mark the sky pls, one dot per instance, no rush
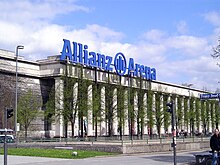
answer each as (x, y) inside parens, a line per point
(176, 37)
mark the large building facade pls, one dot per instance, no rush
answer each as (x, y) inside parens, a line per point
(93, 101)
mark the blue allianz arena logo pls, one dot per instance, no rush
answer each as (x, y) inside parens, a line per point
(120, 64)
(80, 54)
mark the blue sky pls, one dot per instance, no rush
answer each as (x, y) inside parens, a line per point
(174, 36)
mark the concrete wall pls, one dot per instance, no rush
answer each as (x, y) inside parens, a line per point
(117, 148)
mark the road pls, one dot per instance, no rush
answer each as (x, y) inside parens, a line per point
(183, 158)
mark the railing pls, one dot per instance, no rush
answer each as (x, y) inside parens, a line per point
(112, 140)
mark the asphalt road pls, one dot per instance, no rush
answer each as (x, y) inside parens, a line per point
(183, 158)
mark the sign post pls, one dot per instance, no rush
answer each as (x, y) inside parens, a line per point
(171, 110)
(5, 140)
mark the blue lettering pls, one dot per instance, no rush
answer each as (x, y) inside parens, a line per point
(131, 66)
(92, 60)
(66, 52)
(136, 69)
(80, 53)
(142, 71)
(153, 74)
(147, 73)
(108, 65)
(74, 51)
(101, 61)
(85, 54)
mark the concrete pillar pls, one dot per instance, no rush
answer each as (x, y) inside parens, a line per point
(145, 114)
(103, 130)
(75, 99)
(135, 113)
(154, 129)
(59, 124)
(162, 130)
(115, 118)
(170, 126)
(126, 123)
(90, 131)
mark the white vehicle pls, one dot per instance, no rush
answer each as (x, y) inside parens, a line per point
(10, 137)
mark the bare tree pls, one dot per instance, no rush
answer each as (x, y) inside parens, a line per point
(216, 50)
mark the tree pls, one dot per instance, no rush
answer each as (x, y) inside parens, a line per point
(198, 113)
(141, 112)
(203, 116)
(167, 116)
(150, 122)
(192, 114)
(49, 113)
(186, 112)
(216, 50)
(120, 107)
(29, 106)
(179, 112)
(159, 118)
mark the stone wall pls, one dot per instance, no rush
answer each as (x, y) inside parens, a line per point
(41, 87)
(115, 148)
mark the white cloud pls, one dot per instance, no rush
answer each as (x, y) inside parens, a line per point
(26, 11)
(153, 35)
(30, 23)
(189, 45)
(213, 17)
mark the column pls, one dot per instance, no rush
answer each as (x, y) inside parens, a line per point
(145, 114)
(90, 131)
(115, 118)
(103, 122)
(154, 129)
(126, 123)
(170, 126)
(75, 100)
(59, 124)
(135, 113)
(162, 130)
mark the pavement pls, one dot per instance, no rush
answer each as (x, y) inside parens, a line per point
(182, 158)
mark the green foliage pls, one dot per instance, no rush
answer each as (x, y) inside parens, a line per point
(50, 106)
(198, 112)
(109, 106)
(203, 115)
(186, 112)
(207, 112)
(28, 109)
(217, 113)
(167, 116)
(150, 109)
(141, 111)
(158, 111)
(53, 153)
(179, 111)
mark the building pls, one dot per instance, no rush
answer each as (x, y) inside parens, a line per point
(94, 101)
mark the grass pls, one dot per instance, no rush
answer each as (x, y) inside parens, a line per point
(54, 153)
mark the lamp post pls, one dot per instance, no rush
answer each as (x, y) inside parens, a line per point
(16, 90)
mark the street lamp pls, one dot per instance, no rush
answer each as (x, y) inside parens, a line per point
(16, 89)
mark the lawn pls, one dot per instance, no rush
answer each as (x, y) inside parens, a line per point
(54, 153)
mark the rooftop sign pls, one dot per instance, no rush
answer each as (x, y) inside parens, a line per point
(80, 54)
